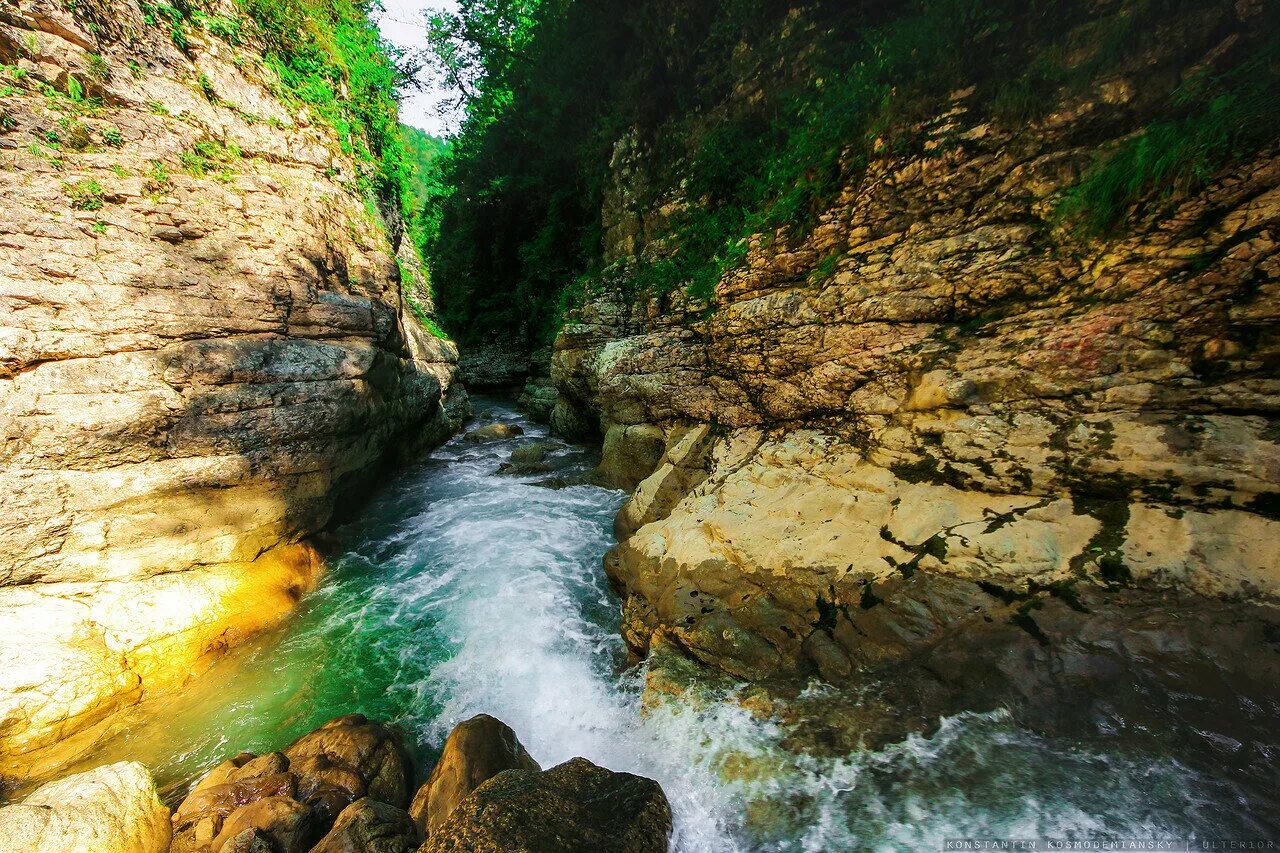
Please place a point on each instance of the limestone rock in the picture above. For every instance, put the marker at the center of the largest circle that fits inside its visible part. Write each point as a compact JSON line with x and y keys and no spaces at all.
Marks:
{"x":286,"y":824}
{"x":368,"y":826}
{"x":497,"y":365}
{"x":475,"y":751}
{"x":307,"y":786}
{"x":630,"y":455}
{"x":971,"y":446}
{"x":575,"y":806}
{"x":111,"y":809}
{"x":193,"y":375}
{"x":538,"y":399}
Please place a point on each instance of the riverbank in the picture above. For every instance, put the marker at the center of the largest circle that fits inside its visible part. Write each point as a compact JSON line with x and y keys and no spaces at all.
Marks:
{"x":461,"y":590}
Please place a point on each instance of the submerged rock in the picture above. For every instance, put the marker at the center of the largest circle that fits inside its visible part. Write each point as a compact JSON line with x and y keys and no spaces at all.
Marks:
{"x":527,"y":459}
{"x":575,"y":806}
{"x":111,"y":809}
{"x":493,"y":432}
{"x":475,"y":751}
{"x":292,"y":798}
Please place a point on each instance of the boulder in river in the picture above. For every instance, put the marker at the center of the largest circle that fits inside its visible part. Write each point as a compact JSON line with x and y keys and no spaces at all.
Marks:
{"x":477,"y":750}
{"x":576,"y":806}
{"x":493,"y":432}
{"x":368,"y":826}
{"x":110,"y":809}
{"x":530,"y":458}
{"x":355,"y":756}
{"x":286,"y":824}
{"x":292,"y":798}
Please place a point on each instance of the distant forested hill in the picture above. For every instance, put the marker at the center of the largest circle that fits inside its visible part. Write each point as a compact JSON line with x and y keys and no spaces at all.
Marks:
{"x":421,"y":149}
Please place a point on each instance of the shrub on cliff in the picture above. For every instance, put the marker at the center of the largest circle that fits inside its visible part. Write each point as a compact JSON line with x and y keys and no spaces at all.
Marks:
{"x":756,"y":114}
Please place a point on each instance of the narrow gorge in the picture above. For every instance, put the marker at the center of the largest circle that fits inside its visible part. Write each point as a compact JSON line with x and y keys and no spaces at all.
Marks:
{"x":755,"y":426}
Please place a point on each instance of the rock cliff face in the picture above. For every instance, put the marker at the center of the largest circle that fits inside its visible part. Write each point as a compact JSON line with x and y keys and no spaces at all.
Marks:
{"x":203,"y":348}
{"x":941,"y":447}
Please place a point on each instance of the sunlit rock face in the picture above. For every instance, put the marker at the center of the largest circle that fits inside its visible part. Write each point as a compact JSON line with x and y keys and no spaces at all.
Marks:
{"x":110,"y":809}
{"x":203,"y":349}
{"x":939,"y":440}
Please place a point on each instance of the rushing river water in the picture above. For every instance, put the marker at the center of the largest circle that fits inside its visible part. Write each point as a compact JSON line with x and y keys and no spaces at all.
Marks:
{"x":459,"y":591}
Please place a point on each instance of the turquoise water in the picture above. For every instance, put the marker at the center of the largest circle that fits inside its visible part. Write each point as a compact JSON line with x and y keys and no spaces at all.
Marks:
{"x":459,"y":591}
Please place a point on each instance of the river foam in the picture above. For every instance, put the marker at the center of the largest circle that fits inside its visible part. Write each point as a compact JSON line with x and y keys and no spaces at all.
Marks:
{"x":461,"y":591}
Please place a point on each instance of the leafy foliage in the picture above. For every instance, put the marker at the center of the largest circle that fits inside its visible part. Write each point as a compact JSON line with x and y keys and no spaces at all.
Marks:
{"x":756,"y":115}
{"x":330,"y":58}
{"x":421,"y":153}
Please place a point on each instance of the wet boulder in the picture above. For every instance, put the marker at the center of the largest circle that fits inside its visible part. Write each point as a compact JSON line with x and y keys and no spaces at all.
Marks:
{"x":110,"y":809}
{"x":308,"y":786}
{"x":286,"y":824}
{"x":630,"y":454}
{"x":493,"y":432}
{"x":526,"y":459}
{"x":368,"y":826}
{"x":352,"y":757}
{"x":576,"y":806}
{"x":476,"y":750}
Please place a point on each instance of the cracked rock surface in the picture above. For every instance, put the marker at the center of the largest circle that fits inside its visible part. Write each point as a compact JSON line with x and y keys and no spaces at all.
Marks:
{"x":203,"y":347}
{"x":941,"y":447}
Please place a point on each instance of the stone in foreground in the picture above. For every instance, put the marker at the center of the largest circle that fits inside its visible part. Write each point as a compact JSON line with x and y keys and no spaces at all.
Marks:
{"x":368,"y":826}
{"x":573,"y":807}
{"x":111,"y":809}
{"x":291,"y":799}
{"x":477,"y":750}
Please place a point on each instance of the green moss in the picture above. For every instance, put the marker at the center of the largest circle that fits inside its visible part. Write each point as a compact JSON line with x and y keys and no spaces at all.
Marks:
{"x":1106,"y":547}
{"x":827,"y":613}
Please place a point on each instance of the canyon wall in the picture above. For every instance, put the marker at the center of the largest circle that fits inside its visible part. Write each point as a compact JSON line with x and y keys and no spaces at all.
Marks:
{"x":204,"y":351}
{"x":942,"y":448}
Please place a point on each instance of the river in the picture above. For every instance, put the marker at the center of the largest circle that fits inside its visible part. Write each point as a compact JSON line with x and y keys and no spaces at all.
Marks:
{"x":459,"y":590}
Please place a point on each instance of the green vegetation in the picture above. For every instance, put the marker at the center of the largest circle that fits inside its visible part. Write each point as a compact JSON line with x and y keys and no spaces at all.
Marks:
{"x":421,"y":153}
{"x":84,"y":194}
{"x":206,"y":89}
{"x":98,"y":70}
{"x":330,"y":61}
{"x":1216,"y":119}
{"x":756,"y":115}
{"x":210,"y":156}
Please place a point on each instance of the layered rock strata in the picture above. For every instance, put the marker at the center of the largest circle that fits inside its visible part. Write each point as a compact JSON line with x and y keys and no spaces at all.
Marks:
{"x":941,"y":443}
{"x":203,"y":349}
